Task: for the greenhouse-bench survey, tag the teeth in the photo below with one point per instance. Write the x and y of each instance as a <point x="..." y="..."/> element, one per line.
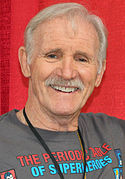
<point x="64" y="89"/>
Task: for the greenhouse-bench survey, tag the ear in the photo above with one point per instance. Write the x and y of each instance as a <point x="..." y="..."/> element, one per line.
<point x="25" y="67"/>
<point x="100" y="75"/>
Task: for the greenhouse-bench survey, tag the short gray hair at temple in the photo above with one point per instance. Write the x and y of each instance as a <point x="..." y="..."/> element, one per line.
<point x="70" y="9"/>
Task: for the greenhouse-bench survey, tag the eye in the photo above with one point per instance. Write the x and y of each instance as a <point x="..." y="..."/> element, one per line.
<point x="81" y="58"/>
<point x="52" y="56"/>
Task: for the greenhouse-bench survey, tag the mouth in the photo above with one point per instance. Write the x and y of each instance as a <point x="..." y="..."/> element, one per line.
<point x="64" y="89"/>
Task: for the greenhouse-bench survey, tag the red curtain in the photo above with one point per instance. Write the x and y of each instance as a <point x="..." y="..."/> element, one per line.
<point x="14" y="15"/>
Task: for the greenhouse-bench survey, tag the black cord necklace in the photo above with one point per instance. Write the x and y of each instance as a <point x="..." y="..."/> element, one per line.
<point x="40" y="139"/>
<point x="84" y="152"/>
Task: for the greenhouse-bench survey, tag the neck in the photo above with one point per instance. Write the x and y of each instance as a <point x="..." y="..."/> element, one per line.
<point x="41" y="118"/>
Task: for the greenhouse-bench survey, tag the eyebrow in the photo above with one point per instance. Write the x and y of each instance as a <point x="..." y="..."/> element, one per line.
<point x="54" y="50"/>
<point x="84" y="54"/>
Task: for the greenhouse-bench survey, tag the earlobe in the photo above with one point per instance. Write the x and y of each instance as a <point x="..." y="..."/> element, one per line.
<point x="23" y="62"/>
<point x="100" y="75"/>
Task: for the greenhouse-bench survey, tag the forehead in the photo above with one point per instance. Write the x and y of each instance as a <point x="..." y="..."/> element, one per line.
<point x="60" y="30"/>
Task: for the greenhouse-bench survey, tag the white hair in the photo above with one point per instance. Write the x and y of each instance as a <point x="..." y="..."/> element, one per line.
<point x="70" y="9"/>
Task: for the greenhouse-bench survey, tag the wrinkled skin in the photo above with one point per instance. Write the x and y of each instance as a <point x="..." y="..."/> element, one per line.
<point x="61" y="52"/>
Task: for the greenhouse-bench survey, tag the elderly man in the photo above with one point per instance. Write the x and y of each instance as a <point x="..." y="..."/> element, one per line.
<point x="64" y="58"/>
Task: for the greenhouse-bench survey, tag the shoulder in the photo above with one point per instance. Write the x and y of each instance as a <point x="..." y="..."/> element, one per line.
<point x="96" y="116"/>
<point x="100" y="118"/>
<point x="7" y="116"/>
<point x="102" y="121"/>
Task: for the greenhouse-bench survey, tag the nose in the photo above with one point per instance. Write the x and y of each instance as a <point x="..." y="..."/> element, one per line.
<point x="67" y="69"/>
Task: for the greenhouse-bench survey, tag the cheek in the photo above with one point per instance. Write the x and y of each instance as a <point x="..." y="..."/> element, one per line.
<point x="88" y="76"/>
<point x="42" y="70"/>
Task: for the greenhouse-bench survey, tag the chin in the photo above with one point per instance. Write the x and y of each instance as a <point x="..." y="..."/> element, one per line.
<point x="65" y="111"/>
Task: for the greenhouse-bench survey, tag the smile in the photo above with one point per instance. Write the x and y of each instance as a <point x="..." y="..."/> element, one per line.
<point x="64" y="89"/>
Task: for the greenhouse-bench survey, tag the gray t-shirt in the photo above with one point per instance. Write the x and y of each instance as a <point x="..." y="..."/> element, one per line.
<point x="22" y="156"/>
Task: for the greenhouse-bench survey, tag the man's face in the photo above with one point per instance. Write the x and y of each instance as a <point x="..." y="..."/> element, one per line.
<point x="63" y="53"/>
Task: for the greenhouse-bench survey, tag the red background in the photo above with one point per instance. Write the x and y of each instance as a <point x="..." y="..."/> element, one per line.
<point x="15" y="14"/>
